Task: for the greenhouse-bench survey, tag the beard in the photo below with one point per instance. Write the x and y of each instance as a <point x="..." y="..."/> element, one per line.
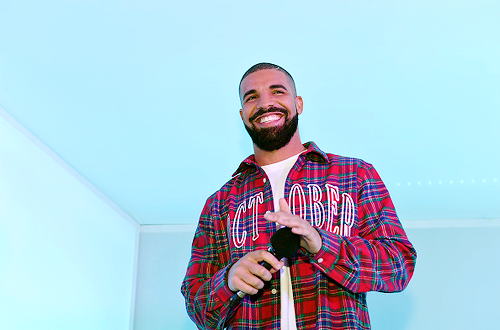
<point x="273" y="138"/>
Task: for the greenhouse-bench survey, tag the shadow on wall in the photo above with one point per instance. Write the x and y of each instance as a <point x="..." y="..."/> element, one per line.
<point x="454" y="285"/>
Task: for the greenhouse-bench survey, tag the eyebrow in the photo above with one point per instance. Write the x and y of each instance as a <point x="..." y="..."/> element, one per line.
<point x="248" y="93"/>
<point x="278" y="86"/>
<point x="270" y="87"/>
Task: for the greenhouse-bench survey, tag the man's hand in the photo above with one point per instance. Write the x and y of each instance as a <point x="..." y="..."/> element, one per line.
<point x="310" y="239"/>
<point x="248" y="276"/>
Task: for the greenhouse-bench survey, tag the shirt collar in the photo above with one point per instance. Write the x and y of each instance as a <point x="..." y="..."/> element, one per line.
<point x="312" y="153"/>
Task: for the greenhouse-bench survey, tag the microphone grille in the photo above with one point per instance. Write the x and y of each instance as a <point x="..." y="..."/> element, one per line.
<point x="285" y="243"/>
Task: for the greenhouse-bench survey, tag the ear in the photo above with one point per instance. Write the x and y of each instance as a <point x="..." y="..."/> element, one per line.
<point x="241" y="114"/>
<point x="299" y="104"/>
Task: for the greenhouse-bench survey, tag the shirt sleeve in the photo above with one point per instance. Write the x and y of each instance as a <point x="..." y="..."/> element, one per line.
<point x="379" y="257"/>
<point x="204" y="286"/>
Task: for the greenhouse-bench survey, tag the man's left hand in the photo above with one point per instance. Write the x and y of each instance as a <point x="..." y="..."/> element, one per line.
<point x="310" y="239"/>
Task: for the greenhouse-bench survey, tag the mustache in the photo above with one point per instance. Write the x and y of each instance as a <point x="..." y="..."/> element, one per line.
<point x="261" y="112"/>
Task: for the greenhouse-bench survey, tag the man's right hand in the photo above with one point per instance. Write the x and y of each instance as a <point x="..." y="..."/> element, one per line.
<point x="248" y="276"/>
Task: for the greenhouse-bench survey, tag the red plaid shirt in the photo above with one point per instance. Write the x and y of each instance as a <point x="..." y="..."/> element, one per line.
<point x="364" y="245"/>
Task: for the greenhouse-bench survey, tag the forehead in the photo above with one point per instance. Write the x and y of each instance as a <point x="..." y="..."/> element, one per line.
<point x="264" y="79"/>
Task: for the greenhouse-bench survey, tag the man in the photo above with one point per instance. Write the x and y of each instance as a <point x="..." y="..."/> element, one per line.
<point x="351" y="240"/>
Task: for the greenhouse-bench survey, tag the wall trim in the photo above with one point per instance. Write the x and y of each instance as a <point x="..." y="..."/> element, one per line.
<point x="452" y="223"/>
<point x="408" y="224"/>
<point x="30" y="136"/>
<point x="167" y="228"/>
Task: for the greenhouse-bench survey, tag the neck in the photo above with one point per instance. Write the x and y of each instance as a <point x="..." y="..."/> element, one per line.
<point x="263" y="157"/>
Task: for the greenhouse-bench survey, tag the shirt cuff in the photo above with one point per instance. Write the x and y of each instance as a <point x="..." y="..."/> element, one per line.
<point x="220" y="289"/>
<point x="328" y="255"/>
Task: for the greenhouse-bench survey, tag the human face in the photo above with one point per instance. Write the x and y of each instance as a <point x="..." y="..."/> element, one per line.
<point x="270" y="108"/>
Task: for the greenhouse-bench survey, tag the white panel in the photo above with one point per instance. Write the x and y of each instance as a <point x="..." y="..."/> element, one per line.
<point x="67" y="256"/>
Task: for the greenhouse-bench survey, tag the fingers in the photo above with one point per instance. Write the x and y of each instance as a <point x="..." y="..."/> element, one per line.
<point x="284" y="216"/>
<point x="310" y="238"/>
<point x="284" y="206"/>
<point x="248" y="275"/>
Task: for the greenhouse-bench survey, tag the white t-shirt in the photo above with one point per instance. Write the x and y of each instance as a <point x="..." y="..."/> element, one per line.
<point x="277" y="174"/>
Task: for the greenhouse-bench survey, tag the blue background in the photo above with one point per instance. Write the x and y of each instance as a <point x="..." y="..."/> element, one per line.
<point x="140" y="97"/>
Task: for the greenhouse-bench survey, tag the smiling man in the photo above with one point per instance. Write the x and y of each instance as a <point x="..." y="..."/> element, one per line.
<point x="270" y="112"/>
<point x="351" y="240"/>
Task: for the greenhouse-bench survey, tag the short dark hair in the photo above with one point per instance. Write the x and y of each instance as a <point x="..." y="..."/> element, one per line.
<point x="266" y="66"/>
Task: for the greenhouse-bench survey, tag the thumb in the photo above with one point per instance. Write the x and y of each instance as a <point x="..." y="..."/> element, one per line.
<point x="284" y="206"/>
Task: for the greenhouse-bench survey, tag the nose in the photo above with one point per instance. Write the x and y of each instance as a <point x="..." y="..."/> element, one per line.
<point x="266" y="101"/>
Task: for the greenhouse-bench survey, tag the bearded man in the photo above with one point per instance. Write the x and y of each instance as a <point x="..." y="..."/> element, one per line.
<point x="351" y="240"/>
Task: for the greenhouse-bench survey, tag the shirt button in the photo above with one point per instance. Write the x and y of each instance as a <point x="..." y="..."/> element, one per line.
<point x="273" y="291"/>
<point x="320" y="260"/>
<point x="264" y="180"/>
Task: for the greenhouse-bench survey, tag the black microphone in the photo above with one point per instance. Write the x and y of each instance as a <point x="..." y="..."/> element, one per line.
<point x="284" y="244"/>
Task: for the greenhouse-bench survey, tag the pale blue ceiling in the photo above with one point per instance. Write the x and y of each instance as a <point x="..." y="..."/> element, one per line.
<point x="140" y="97"/>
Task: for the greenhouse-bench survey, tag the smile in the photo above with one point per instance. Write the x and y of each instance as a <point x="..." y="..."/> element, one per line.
<point x="269" y="118"/>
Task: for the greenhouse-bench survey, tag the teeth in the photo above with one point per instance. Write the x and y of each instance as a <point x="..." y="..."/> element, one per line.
<point x="267" y="119"/>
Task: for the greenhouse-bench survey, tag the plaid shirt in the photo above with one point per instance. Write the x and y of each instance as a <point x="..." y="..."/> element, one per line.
<point x="364" y="245"/>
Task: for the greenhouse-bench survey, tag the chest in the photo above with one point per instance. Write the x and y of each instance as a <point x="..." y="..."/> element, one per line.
<point x="324" y="197"/>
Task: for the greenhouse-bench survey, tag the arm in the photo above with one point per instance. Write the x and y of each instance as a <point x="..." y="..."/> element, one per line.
<point x="378" y="257"/>
<point x="212" y="279"/>
<point x="204" y="286"/>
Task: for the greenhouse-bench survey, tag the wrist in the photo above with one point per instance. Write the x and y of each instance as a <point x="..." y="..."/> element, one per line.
<point x="319" y="240"/>
<point x="226" y="277"/>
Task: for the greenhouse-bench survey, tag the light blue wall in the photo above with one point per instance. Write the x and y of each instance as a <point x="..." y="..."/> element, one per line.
<point x="455" y="284"/>
<point x="67" y="257"/>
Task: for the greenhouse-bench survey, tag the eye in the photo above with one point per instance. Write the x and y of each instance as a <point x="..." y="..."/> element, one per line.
<point x="278" y="92"/>
<point x="249" y="98"/>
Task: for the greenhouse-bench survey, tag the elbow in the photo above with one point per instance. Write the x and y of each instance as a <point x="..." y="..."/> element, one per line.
<point x="404" y="272"/>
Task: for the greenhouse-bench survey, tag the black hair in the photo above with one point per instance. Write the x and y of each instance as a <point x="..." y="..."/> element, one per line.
<point x="266" y="66"/>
